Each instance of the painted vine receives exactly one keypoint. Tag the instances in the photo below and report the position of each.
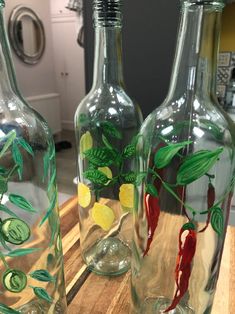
(192, 167)
(101, 159)
(14, 230)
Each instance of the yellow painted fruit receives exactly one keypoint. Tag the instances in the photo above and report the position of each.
(103, 216)
(84, 195)
(107, 171)
(86, 142)
(126, 196)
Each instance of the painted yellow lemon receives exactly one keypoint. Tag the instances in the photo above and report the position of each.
(107, 171)
(103, 216)
(84, 195)
(126, 196)
(86, 142)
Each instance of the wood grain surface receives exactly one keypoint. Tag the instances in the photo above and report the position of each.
(88, 293)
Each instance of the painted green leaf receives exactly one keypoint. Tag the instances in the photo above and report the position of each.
(7, 310)
(129, 151)
(217, 220)
(110, 130)
(42, 275)
(49, 210)
(10, 139)
(106, 142)
(6, 210)
(17, 157)
(22, 142)
(101, 157)
(46, 164)
(151, 189)
(83, 118)
(140, 177)
(3, 185)
(213, 128)
(52, 152)
(129, 177)
(21, 202)
(42, 294)
(3, 171)
(165, 154)
(197, 165)
(96, 177)
(189, 226)
(21, 252)
(52, 180)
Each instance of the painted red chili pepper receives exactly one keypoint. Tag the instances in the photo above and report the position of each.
(210, 203)
(183, 265)
(152, 209)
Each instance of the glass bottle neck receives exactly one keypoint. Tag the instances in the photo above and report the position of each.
(108, 57)
(195, 65)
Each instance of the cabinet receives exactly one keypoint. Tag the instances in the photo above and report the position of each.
(69, 61)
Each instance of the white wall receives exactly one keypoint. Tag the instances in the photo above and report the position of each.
(36, 79)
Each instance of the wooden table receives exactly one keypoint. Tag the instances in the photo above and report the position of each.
(88, 293)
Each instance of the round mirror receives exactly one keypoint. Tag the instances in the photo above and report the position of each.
(26, 34)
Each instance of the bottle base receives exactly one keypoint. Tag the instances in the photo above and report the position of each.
(160, 304)
(108, 257)
(36, 307)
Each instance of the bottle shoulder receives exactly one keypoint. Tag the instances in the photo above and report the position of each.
(18, 115)
(202, 118)
(110, 102)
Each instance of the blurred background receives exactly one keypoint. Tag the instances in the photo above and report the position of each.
(52, 46)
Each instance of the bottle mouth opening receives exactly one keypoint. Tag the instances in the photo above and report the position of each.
(204, 2)
(107, 13)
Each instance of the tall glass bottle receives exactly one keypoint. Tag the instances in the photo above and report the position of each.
(106, 123)
(31, 259)
(186, 156)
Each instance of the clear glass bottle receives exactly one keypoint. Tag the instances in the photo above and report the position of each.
(106, 123)
(31, 259)
(186, 157)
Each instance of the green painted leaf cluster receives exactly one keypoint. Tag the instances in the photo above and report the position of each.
(129, 177)
(217, 220)
(151, 189)
(197, 165)
(165, 154)
(96, 177)
(129, 151)
(101, 157)
(140, 177)
(10, 137)
(42, 294)
(110, 130)
(7, 310)
(15, 231)
(42, 275)
(21, 202)
(83, 118)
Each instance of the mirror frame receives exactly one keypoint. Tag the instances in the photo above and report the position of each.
(15, 17)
